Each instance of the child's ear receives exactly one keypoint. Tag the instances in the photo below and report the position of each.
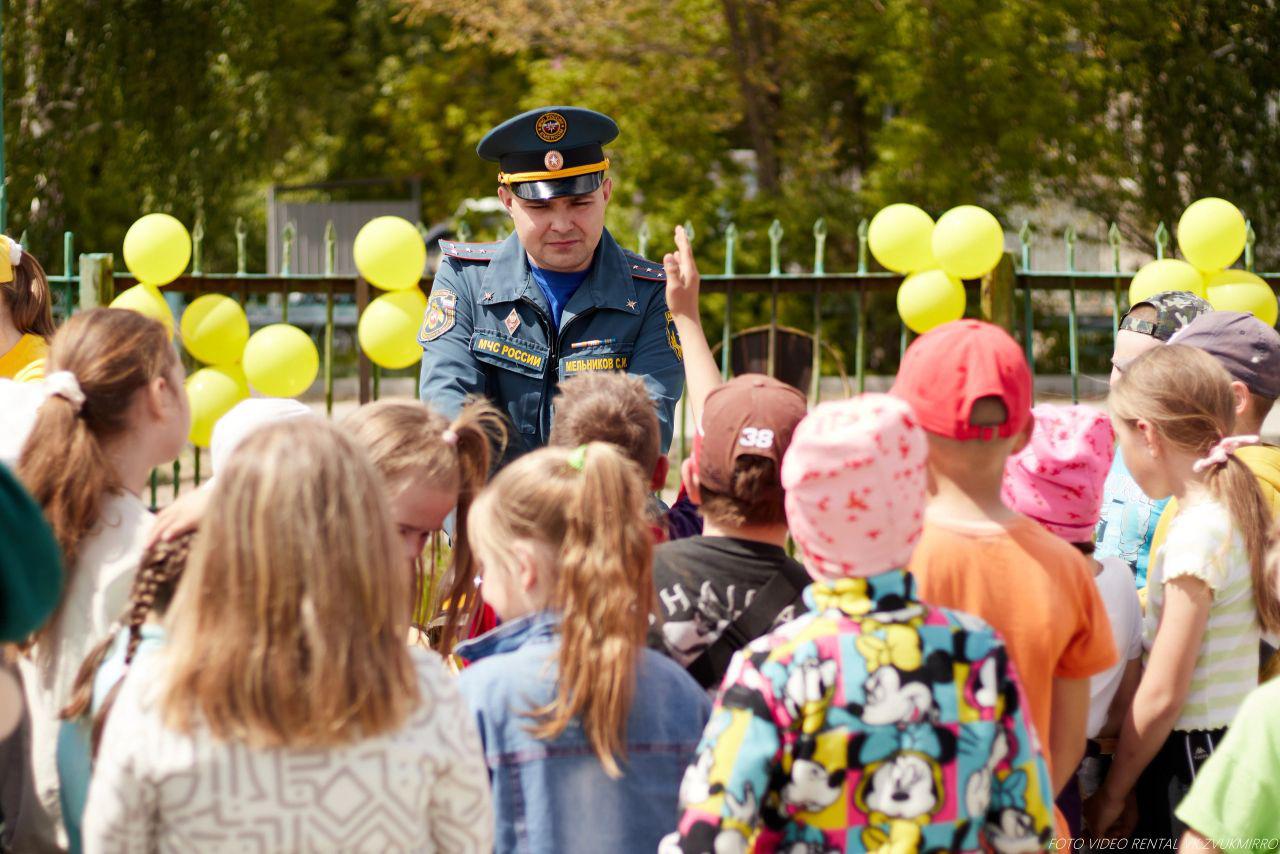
(526, 567)
(1240, 392)
(660, 472)
(158, 396)
(689, 476)
(1024, 438)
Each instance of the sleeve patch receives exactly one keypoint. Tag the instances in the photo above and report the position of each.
(440, 316)
(673, 338)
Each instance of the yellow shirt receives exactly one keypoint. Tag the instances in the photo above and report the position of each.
(1263, 461)
(25, 361)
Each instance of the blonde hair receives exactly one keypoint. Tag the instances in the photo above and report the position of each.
(289, 626)
(591, 520)
(1185, 395)
(113, 354)
(408, 439)
(27, 297)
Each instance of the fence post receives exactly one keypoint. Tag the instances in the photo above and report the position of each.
(97, 280)
(362, 361)
(997, 294)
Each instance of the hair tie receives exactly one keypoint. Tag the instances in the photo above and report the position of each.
(578, 458)
(449, 437)
(15, 252)
(64, 384)
(1218, 453)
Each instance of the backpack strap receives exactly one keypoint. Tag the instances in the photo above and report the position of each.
(777, 593)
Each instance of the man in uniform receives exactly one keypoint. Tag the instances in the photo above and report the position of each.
(510, 320)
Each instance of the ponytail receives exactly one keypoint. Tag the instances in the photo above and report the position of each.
(587, 506)
(1236, 486)
(112, 354)
(27, 297)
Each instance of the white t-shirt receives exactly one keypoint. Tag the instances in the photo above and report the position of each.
(421, 788)
(1124, 612)
(96, 596)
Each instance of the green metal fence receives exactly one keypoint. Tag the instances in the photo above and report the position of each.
(837, 306)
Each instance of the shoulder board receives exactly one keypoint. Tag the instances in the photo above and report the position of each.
(470, 251)
(643, 268)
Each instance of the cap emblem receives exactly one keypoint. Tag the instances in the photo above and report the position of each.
(553, 161)
(551, 127)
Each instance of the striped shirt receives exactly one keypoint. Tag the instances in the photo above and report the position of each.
(1203, 543)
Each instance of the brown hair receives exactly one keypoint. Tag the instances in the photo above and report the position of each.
(27, 297)
(1185, 394)
(289, 627)
(113, 354)
(406, 439)
(756, 498)
(153, 588)
(585, 509)
(609, 407)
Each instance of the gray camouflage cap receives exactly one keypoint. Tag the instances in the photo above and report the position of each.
(1174, 310)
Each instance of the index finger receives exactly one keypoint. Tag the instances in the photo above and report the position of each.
(684, 248)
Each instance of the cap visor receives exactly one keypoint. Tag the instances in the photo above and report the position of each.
(578, 185)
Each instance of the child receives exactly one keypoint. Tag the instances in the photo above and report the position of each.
(26, 315)
(873, 722)
(287, 711)
(1209, 587)
(432, 468)
(1057, 481)
(727, 587)
(586, 732)
(970, 387)
(1129, 517)
(116, 410)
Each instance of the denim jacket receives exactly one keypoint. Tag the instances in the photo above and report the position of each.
(555, 796)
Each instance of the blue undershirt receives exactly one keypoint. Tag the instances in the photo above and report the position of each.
(558, 287)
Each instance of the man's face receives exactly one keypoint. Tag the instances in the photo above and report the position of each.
(560, 234)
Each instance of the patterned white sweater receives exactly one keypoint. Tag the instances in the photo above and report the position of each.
(424, 788)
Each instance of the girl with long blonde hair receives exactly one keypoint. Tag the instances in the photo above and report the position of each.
(1211, 591)
(432, 468)
(114, 409)
(586, 732)
(285, 707)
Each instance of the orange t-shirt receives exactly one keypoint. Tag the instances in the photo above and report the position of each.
(1033, 588)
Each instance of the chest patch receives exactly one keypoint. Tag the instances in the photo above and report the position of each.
(440, 315)
(525, 357)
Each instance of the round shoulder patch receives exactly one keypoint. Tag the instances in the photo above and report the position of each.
(551, 127)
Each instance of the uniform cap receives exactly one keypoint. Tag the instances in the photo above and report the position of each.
(551, 151)
(1174, 310)
(753, 415)
(1057, 479)
(855, 482)
(1246, 347)
(950, 368)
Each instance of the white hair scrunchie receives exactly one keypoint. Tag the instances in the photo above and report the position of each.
(15, 252)
(64, 384)
(1218, 454)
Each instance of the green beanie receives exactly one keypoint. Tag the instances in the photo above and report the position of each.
(30, 563)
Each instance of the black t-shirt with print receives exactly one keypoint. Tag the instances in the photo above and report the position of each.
(705, 583)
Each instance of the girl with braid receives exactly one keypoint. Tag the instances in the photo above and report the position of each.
(100, 676)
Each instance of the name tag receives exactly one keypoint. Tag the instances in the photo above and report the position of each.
(597, 355)
(515, 354)
(578, 364)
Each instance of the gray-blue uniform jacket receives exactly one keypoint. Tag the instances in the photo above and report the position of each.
(488, 330)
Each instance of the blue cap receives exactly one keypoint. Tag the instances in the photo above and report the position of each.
(551, 151)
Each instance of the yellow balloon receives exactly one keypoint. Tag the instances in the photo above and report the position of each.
(215, 329)
(236, 372)
(1240, 290)
(1211, 234)
(389, 252)
(281, 360)
(968, 242)
(1168, 274)
(930, 299)
(156, 249)
(388, 329)
(212, 392)
(900, 238)
(146, 300)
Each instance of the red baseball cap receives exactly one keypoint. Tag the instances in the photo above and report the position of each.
(751, 414)
(950, 368)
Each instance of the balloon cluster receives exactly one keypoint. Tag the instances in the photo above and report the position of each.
(1211, 234)
(390, 254)
(278, 360)
(965, 243)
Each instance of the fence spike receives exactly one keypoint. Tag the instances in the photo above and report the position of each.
(688, 230)
(1162, 240)
(775, 246)
(242, 259)
(730, 243)
(197, 246)
(422, 230)
(1069, 238)
(864, 228)
(819, 245)
(286, 240)
(22, 238)
(642, 238)
(1250, 238)
(464, 231)
(330, 247)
